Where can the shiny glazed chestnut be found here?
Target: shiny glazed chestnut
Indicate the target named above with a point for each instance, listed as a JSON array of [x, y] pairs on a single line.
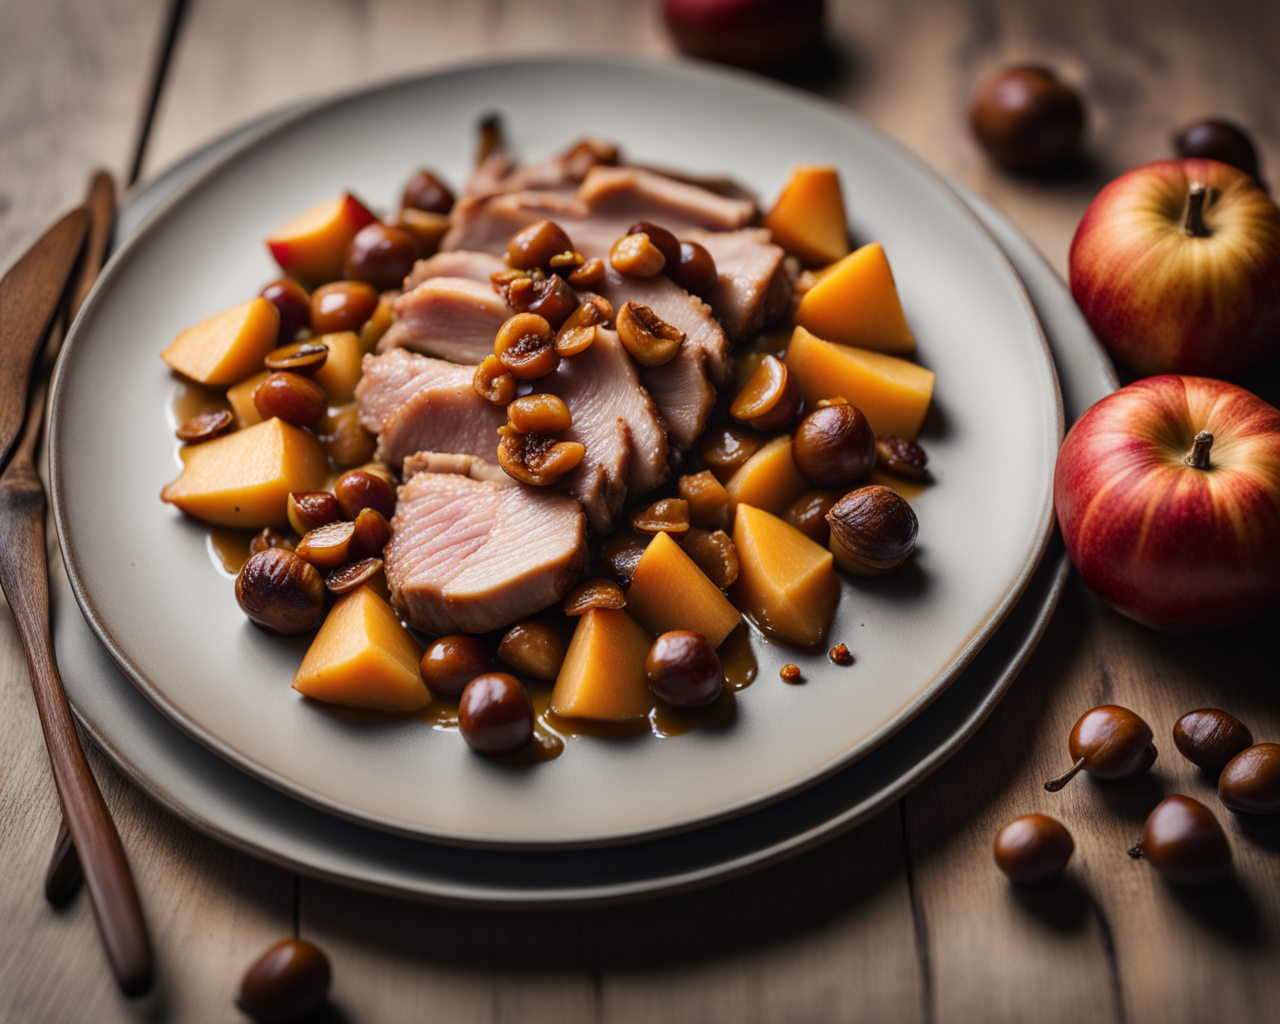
[[427, 192], [834, 448], [288, 981], [1250, 783], [380, 255], [310, 510], [1033, 849], [770, 399], [551, 298], [1183, 841], [358, 489], [278, 589], [1210, 738], [683, 669], [532, 648], [1109, 742], [291, 397], [1025, 118], [453, 661], [532, 247], [294, 304], [495, 715], [695, 270], [873, 531], [342, 306], [1218, 140]]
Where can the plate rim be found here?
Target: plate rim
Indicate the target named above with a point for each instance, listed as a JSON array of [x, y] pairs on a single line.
[[269, 126]]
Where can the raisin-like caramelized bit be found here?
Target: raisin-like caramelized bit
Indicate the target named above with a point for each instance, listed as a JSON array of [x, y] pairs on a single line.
[[204, 427], [536, 459], [667, 515], [898, 455], [650, 339]]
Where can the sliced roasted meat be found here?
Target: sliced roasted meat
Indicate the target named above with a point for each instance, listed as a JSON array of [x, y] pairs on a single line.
[[474, 266], [616, 421], [415, 404], [462, 465], [754, 287], [498, 173], [468, 556], [451, 317], [486, 223]]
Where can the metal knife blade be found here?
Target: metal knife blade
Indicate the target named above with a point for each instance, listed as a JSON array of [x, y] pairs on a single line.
[[29, 296]]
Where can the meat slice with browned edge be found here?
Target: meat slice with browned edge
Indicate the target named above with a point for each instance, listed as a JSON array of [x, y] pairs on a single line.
[[454, 318], [753, 288], [564, 173], [474, 266], [415, 403], [468, 556]]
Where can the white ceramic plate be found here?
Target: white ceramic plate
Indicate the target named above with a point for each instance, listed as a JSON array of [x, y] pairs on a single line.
[[141, 573]]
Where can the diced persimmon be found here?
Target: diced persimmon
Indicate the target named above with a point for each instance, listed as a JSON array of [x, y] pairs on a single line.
[[363, 658], [244, 478], [707, 498], [768, 480], [602, 676], [892, 393], [856, 303], [228, 346], [669, 591], [808, 220], [341, 370], [785, 580], [377, 325], [240, 397], [312, 245]]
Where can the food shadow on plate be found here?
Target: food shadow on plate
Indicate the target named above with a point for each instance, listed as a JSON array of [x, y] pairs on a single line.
[[908, 582]]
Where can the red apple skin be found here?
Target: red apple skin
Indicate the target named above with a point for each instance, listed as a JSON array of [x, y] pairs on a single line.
[[755, 34], [1165, 302], [1177, 548]]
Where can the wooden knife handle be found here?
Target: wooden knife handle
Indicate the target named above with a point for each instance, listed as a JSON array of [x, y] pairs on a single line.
[[24, 578]]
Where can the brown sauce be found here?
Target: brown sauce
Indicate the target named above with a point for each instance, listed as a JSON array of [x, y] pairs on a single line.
[[229, 547], [191, 399], [909, 489], [737, 659]]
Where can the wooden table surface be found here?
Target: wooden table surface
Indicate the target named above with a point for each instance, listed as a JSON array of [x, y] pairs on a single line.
[[905, 918]]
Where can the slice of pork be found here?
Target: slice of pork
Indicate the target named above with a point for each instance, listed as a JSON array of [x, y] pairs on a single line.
[[498, 172], [461, 465], [416, 403], [753, 288], [451, 317], [468, 556], [474, 266]]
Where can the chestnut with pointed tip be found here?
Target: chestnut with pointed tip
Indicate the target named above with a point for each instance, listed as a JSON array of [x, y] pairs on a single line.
[[1210, 738], [1183, 841], [1109, 742], [288, 981], [1250, 782], [1033, 849]]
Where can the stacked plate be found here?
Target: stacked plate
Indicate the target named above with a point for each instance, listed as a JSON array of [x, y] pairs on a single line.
[[193, 702]]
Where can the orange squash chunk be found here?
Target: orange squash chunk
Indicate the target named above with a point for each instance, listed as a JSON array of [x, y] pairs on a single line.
[[228, 346], [707, 498], [363, 658], [856, 303], [892, 393], [785, 579], [808, 220], [244, 479], [602, 676], [669, 591], [312, 245], [240, 398], [378, 324], [768, 480], [341, 370]]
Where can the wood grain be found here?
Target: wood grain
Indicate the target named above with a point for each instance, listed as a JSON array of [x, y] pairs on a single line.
[[905, 919]]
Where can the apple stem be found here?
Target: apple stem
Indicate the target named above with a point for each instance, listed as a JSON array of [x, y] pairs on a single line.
[[1198, 457], [1053, 785], [1193, 223]]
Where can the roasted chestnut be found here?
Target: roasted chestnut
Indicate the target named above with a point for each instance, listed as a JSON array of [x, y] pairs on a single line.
[[536, 459], [1210, 738], [695, 271], [493, 382], [666, 515], [1183, 841], [525, 346], [294, 304], [900, 456], [578, 332], [268, 539], [1026, 118], [1033, 849], [637, 256], [286, 983], [873, 531], [1109, 742], [358, 489], [714, 553], [539, 414], [427, 192], [310, 510], [291, 397], [204, 426], [352, 576], [723, 450], [649, 339], [771, 398], [834, 447], [683, 669], [551, 298], [595, 593], [808, 514], [533, 649], [621, 554], [345, 439], [328, 547], [495, 715], [1218, 140], [532, 247], [369, 535], [342, 306], [1250, 782], [280, 590], [298, 357], [380, 255], [453, 661], [661, 239]]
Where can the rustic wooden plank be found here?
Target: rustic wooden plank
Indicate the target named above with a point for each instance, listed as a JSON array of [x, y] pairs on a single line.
[[74, 78]]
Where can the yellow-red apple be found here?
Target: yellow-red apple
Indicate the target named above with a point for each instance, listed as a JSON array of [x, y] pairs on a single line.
[[1176, 266], [1168, 498]]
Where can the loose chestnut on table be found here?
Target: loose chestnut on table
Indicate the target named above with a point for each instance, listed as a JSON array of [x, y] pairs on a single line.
[[1250, 782], [1183, 841], [1033, 849], [1026, 118], [1210, 738], [1109, 742], [1214, 139], [289, 981]]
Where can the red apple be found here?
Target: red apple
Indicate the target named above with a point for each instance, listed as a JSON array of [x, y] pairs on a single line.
[[756, 34], [1176, 266], [313, 245], [1168, 498]]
